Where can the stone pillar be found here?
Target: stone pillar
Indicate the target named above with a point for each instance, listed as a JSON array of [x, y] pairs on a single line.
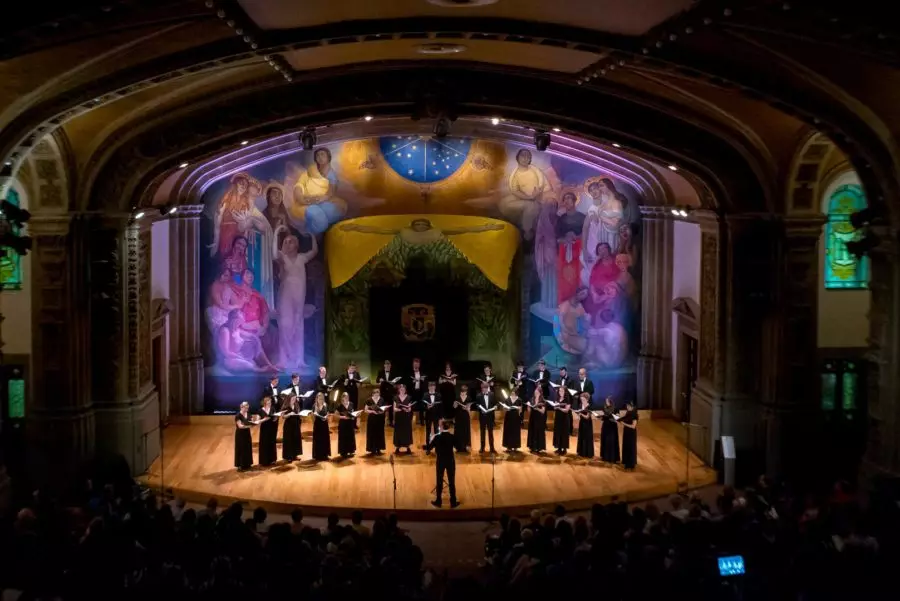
[[654, 369], [125, 399], [186, 365], [790, 391], [882, 457], [60, 421]]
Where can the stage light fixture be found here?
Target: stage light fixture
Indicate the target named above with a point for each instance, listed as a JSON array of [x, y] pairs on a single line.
[[183, 165], [138, 215], [167, 209], [556, 130], [495, 120], [683, 213], [308, 138], [244, 142], [675, 212], [616, 145], [541, 140], [673, 168], [368, 117]]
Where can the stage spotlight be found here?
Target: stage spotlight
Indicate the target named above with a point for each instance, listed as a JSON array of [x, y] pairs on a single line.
[[308, 138], [541, 140], [616, 145], [495, 120], [183, 165], [167, 209], [441, 127], [675, 212], [556, 130], [683, 213], [244, 142], [368, 117], [862, 246], [673, 167], [138, 215]]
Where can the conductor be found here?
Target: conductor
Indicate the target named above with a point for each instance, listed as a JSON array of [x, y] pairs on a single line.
[[443, 445]]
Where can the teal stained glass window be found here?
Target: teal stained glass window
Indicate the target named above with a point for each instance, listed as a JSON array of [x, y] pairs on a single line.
[[843, 269], [848, 391], [15, 394], [10, 262]]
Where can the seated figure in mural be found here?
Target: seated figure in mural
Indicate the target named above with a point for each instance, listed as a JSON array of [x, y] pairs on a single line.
[[603, 272], [569, 224], [420, 231], [527, 185], [238, 199], [291, 304], [608, 341], [571, 314], [316, 200], [222, 300], [239, 351], [604, 218], [253, 307]]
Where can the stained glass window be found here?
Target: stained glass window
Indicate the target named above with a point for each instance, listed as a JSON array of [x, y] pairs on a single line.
[[843, 269], [15, 391], [10, 262], [848, 391], [829, 380]]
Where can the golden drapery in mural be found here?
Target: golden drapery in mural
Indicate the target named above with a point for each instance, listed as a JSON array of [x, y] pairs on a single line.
[[489, 244]]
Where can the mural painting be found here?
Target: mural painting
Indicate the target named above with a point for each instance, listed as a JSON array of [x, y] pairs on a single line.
[[268, 298]]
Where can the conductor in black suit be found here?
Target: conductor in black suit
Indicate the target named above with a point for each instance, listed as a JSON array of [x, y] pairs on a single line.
[[484, 404], [443, 445]]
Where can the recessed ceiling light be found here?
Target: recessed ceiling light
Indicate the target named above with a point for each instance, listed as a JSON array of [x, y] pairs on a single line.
[[368, 117], [673, 167], [183, 165], [675, 212], [139, 214], [616, 145], [495, 120], [556, 130], [683, 213], [244, 142], [172, 210], [437, 48]]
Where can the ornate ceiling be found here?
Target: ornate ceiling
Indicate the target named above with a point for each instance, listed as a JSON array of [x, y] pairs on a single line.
[[727, 91]]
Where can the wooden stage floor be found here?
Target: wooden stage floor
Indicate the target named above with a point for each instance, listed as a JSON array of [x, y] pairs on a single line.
[[198, 457]]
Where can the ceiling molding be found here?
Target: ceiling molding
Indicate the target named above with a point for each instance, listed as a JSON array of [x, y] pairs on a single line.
[[206, 131]]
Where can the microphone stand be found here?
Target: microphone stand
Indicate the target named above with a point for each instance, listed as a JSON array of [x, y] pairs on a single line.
[[394, 474], [493, 463]]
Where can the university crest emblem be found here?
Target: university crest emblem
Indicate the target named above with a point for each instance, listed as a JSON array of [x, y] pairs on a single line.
[[418, 322]]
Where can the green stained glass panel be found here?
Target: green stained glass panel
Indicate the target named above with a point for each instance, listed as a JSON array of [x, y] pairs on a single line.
[[843, 269], [10, 262], [15, 392], [848, 391]]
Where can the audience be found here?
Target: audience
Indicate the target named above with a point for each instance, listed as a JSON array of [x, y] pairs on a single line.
[[121, 543]]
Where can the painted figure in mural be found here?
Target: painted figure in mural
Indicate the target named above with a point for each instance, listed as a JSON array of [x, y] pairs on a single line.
[[222, 300], [316, 201], [571, 314], [421, 231], [603, 272], [608, 341], [545, 255], [239, 351], [276, 212], [604, 218], [253, 306], [236, 259], [569, 224], [292, 297], [527, 185], [238, 199]]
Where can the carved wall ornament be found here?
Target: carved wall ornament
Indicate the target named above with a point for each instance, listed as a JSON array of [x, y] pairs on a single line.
[[709, 305], [106, 312]]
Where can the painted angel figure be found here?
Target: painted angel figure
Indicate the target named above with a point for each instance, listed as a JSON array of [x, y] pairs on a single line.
[[292, 297], [421, 231]]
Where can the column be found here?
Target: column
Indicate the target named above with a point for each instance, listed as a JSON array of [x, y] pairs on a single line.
[[126, 401], [882, 457], [186, 364], [60, 422], [790, 394], [654, 369]]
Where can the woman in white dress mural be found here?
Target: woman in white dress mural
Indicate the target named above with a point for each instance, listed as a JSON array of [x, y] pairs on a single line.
[[291, 302], [604, 218]]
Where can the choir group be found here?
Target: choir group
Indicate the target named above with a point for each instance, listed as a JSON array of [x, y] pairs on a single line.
[[395, 400]]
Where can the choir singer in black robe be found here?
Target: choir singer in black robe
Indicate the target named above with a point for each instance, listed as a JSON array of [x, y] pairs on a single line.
[[447, 390], [486, 407], [403, 406], [561, 429], [291, 442], [537, 423], [271, 390], [629, 436], [387, 388], [585, 446], [512, 423], [243, 442], [443, 445], [294, 390], [433, 410], [462, 419], [609, 433], [416, 388], [321, 450], [346, 427], [268, 433], [375, 410]]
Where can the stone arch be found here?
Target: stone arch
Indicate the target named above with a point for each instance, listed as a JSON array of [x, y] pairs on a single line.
[[50, 170], [808, 169]]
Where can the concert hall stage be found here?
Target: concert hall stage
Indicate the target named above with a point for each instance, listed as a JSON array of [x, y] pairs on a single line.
[[197, 464]]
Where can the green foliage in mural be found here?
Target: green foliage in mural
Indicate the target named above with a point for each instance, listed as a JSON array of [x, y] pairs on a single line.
[[489, 324]]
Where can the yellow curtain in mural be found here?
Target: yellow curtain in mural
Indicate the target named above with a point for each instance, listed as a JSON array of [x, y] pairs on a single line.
[[489, 244]]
